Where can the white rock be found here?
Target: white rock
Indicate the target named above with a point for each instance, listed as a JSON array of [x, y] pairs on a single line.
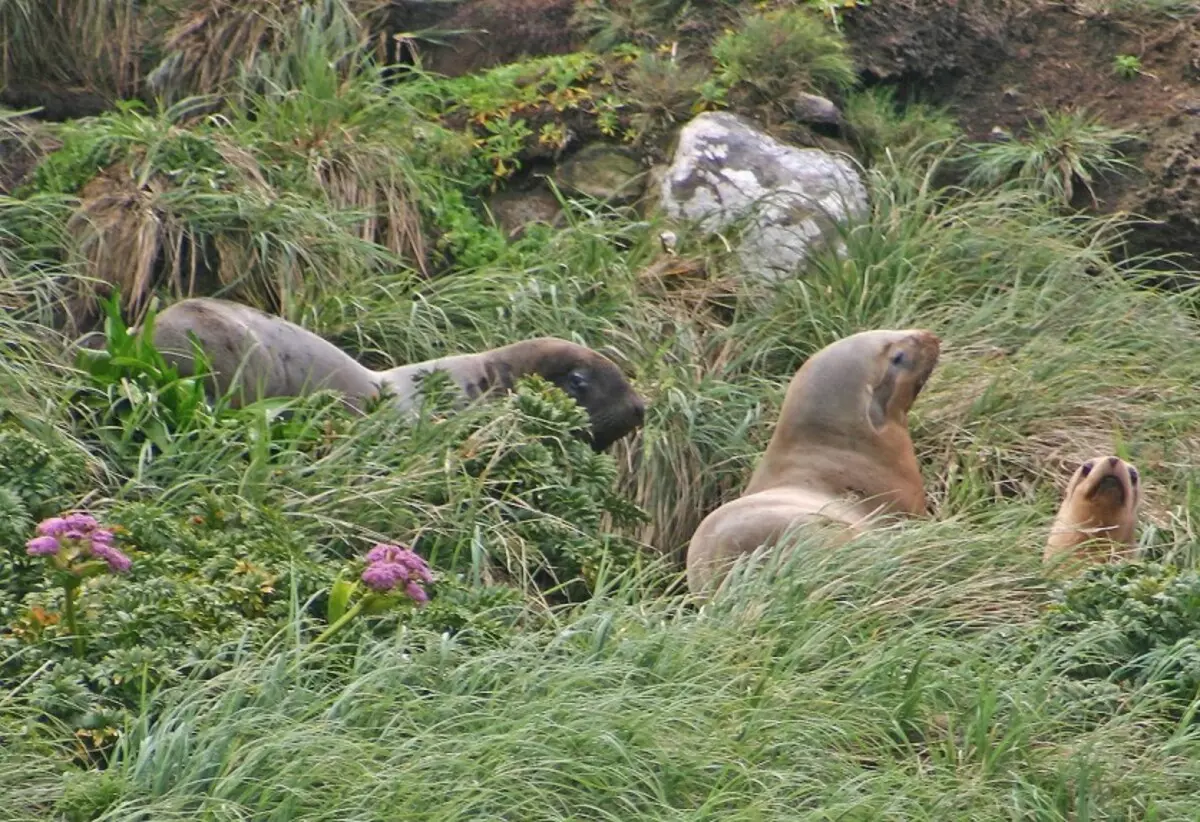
[[725, 171]]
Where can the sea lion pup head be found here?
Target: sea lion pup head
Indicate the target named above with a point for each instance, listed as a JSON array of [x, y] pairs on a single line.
[[1098, 513], [588, 377], [843, 428]]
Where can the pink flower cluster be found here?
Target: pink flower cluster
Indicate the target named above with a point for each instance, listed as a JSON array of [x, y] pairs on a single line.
[[390, 565], [82, 531]]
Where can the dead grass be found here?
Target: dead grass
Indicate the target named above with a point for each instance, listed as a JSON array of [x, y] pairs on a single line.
[[219, 42], [96, 45]]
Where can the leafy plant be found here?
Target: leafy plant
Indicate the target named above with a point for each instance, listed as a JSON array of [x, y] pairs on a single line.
[[1139, 624], [784, 51], [609, 23], [880, 126], [1127, 66], [135, 401], [664, 90], [1068, 149]]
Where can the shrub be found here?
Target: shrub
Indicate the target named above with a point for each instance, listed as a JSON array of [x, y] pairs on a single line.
[[1127, 66], [880, 126], [1068, 149], [664, 90], [609, 23], [1137, 623], [785, 51]]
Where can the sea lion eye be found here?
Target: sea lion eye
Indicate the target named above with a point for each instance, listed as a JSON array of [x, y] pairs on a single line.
[[577, 381], [1086, 468], [1133, 475], [898, 358]]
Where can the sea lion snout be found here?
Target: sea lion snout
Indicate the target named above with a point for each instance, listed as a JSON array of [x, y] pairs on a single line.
[[1111, 479], [929, 349], [1110, 486], [637, 410]]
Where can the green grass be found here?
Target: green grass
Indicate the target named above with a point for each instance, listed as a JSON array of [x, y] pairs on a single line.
[[784, 51], [880, 682], [558, 673], [1063, 155]]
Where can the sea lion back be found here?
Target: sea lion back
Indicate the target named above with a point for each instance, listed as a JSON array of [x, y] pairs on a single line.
[[263, 355]]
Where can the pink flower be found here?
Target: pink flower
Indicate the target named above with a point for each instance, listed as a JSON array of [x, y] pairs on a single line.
[[384, 576], [84, 522], [390, 565], [44, 546], [118, 563], [416, 592], [52, 527], [80, 530]]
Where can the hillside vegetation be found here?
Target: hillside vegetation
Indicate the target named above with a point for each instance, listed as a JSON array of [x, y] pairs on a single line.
[[237, 669]]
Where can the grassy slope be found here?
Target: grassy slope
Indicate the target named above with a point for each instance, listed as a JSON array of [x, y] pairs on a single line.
[[889, 680]]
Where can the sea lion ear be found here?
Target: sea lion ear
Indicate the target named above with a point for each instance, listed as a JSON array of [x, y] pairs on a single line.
[[881, 398], [497, 375]]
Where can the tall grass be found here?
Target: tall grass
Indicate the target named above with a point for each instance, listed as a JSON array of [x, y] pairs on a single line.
[[878, 682], [898, 677]]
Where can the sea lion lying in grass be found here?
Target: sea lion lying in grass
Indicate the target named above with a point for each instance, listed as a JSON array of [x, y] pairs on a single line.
[[841, 450], [1098, 515], [267, 356]]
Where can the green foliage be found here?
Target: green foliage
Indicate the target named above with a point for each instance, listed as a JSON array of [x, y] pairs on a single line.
[[666, 92], [37, 480], [910, 675], [497, 106], [881, 126], [1066, 150], [609, 23], [134, 401], [1127, 66], [784, 51], [1138, 624]]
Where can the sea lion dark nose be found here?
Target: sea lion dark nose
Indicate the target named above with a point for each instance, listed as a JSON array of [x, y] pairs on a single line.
[[1112, 462], [638, 406]]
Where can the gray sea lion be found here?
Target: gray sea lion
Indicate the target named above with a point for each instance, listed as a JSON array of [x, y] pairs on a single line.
[[267, 356], [1096, 520], [841, 451]]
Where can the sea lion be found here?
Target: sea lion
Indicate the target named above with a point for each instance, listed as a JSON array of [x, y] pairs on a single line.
[[841, 450], [1096, 520], [267, 356]]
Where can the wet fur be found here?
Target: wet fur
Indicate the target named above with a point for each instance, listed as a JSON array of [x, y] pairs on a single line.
[[1098, 515], [267, 356], [841, 451]]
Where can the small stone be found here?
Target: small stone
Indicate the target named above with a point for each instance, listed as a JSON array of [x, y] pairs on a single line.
[[602, 171], [998, 135], [516, 210], [813, 108]]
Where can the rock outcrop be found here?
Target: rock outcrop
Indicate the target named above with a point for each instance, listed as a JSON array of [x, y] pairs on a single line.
[[785, 199]]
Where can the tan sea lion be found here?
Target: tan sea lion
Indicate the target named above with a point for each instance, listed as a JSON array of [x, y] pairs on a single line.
[[1096, 520], [841, 450], [267, 356]]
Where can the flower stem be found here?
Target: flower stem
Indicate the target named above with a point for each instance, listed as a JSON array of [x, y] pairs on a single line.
[[343, 621], [72, 623]]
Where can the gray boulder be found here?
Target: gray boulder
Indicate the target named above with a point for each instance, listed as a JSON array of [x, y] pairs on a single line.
[[787, 199]]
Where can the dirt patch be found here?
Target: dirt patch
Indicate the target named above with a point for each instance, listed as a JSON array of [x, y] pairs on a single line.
[[996, 67], [906, 40]]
